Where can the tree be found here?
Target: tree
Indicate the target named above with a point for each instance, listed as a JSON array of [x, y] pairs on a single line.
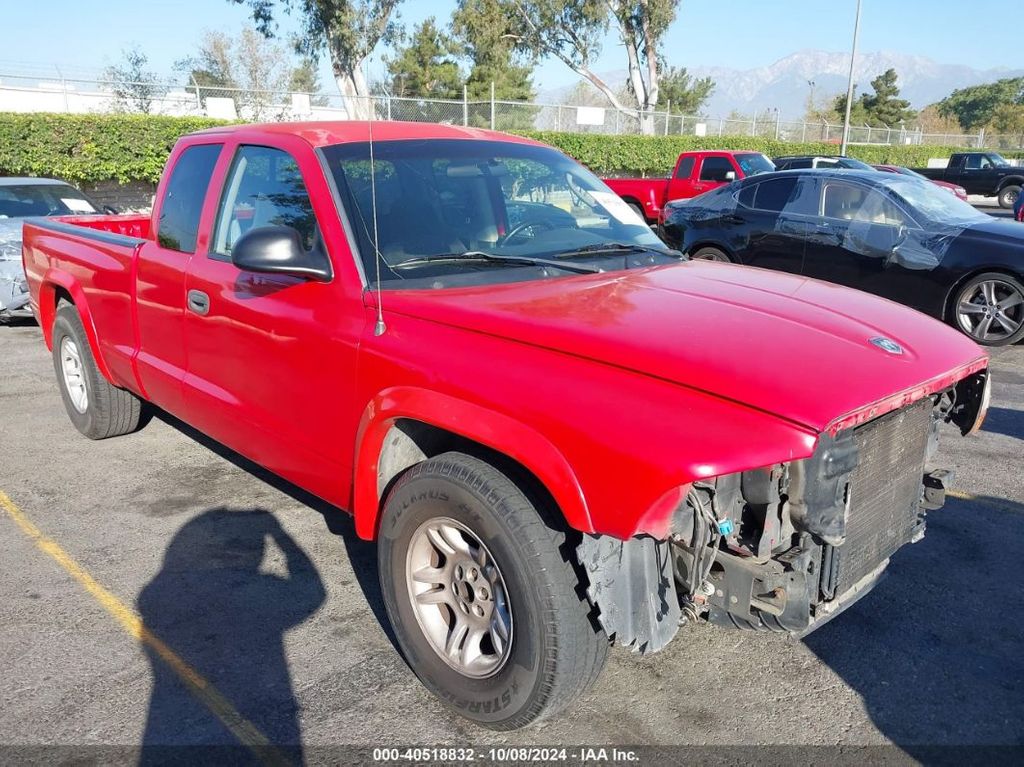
[[682, 93], [1009, 119], [858, 114], [348, 30], [485, 31], [134, 87], [426, 67], [571, 31], [884, 107], [974, 107], [248, 68]]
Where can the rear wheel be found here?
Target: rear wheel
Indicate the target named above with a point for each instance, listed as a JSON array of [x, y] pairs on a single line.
[[485, 607], [710, 254], [990, 309], [97, 408], [1008, 196]]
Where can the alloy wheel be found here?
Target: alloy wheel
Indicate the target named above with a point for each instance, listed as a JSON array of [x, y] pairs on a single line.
[[991, 310]]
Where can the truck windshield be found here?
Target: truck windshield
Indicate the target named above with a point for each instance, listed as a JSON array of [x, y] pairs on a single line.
[[444, 206], [998, 160], [752, 163]]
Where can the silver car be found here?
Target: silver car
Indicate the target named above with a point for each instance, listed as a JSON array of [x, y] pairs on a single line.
[[22, 198]]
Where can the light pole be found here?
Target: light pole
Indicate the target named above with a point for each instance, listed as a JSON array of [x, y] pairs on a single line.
[[849, 86]]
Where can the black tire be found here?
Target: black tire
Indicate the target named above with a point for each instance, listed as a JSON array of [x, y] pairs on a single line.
[[1008, 196], [110, 411], [639, 210], [555, 652], [970, 324], [709, 253]]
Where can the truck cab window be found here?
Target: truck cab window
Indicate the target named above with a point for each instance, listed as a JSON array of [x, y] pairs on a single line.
[[183, 200], [977, 162], [685, 168], [715, 168], [263, 188]]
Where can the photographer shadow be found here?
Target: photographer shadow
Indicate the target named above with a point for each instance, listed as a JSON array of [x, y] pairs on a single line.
[[232, 583]]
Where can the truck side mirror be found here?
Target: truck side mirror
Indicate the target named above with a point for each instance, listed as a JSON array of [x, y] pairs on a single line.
[[729, 175], [279, 250]]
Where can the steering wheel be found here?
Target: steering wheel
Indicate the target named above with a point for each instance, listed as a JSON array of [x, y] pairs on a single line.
[[523, 226]]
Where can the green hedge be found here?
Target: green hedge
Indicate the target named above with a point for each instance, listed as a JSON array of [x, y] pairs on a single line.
[[656, 155], [81, 148], [89, 148]]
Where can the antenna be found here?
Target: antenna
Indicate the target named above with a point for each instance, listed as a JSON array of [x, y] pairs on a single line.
[[380, 327]]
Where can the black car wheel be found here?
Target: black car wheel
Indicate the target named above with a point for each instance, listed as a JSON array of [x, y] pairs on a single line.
[[990, 309], [1008, 196], [710, 254]]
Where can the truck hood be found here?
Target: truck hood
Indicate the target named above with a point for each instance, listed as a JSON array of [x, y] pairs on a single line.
[[797, 348]]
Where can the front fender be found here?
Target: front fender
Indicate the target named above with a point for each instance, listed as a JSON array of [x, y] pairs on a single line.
[[495, 430], [57, 278]]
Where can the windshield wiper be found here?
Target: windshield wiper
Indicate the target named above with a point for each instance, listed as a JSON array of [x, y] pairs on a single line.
[[479, 255], [616, 247]]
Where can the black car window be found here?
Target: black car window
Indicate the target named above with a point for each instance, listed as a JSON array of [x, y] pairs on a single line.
[[776, 194], [852, 202], [745, 197], [977, 162], [183, 200], [715, 168], [805, 162], [685, 168]]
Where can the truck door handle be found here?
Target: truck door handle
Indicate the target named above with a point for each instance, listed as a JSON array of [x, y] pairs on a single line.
[[198, 302]]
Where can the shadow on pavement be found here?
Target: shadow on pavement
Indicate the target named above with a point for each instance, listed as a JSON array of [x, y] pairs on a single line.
[[937, 651], [224, 614], [1004, 420], [361, 554]]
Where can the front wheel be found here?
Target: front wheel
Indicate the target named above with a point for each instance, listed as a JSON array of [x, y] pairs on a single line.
[[485, 607], [1008, 196], [97, 408], [990, 309], [710, 254]]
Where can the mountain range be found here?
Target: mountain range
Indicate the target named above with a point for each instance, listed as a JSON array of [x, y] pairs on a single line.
[[785, 84]]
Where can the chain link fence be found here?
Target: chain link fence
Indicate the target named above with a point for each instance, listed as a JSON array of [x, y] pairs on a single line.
[[25, 92]]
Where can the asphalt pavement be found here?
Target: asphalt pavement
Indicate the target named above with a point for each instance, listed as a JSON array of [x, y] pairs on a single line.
[[128, 564]]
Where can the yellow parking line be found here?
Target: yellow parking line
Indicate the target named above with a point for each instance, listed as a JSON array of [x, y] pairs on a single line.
[[246, 732], [992, 503]]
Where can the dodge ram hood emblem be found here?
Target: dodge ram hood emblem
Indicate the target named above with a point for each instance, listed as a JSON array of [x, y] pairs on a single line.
[[887, 345]]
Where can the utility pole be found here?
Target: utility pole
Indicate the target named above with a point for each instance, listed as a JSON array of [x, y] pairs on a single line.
[[849, 85]]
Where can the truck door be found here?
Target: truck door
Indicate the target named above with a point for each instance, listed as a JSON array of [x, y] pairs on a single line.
[[975, 174], [681, 185], [271, 357], [713, 173], [160, 273]]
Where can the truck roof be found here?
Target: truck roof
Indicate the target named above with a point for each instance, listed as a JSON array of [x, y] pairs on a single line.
[[318, 134]]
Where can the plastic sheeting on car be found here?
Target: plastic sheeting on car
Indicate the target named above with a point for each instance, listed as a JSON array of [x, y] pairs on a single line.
[[900, 220]]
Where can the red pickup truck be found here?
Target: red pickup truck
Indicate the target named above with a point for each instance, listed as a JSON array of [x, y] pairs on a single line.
[[560, 433], [694, 174]]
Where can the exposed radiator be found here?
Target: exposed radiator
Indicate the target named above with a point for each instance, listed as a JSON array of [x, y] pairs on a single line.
[[885, 494]]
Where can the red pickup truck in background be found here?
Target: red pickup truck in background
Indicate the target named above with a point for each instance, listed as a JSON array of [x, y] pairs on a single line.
[[694, 173], [559, 433]]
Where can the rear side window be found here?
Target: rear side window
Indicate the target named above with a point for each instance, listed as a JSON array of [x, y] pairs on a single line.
[[183, 200], [715, 168], [264, 188], [685, 168], [775, 194]]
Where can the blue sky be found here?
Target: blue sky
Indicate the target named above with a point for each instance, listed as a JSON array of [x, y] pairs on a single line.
[[736, 33]]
